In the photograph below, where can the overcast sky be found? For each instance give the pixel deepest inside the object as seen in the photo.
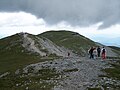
(96, 19)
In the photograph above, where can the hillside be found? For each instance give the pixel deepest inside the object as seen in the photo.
(13, 55)
(71, 40)
(22, 49)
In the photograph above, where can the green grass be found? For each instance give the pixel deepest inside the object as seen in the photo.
(9, 82)
(15, 58)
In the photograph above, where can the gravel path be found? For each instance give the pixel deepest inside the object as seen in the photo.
(86, 76)
(77, 73)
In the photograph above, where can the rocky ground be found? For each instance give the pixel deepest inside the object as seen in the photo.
(78, 73)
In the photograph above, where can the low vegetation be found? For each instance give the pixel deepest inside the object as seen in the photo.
(45, 79)
(112, 76)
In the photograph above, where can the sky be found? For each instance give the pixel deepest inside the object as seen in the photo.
(98, 20)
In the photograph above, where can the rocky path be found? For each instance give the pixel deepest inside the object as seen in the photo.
(81, 73)
(77, 73)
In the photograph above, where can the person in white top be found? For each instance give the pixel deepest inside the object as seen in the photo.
(95, 53)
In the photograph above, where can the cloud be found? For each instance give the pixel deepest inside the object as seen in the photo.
(75, 12)
(19, 19)
(12, 23)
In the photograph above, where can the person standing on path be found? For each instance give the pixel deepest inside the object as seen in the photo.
(90, 51)
(68, 54)
(98, 51)
(95, 53)
(103, 53)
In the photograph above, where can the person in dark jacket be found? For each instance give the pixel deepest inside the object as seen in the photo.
(90, 51)
(98, 51)
(68, 54)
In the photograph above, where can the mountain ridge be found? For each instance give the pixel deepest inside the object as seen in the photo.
(24, 48)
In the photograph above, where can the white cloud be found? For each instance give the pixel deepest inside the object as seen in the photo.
(19, 19)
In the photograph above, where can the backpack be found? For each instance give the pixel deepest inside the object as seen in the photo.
(91, 50)
(103, 51)
(98, 49)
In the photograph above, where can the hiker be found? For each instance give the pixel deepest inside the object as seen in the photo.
(68, 54)
(98, 51)
(103, 53)
(90, 51)
(95, 53)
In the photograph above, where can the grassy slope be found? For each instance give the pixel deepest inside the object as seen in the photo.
(71, 40)
(13, 55)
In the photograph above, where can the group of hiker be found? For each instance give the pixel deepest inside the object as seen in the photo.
(95, 52)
